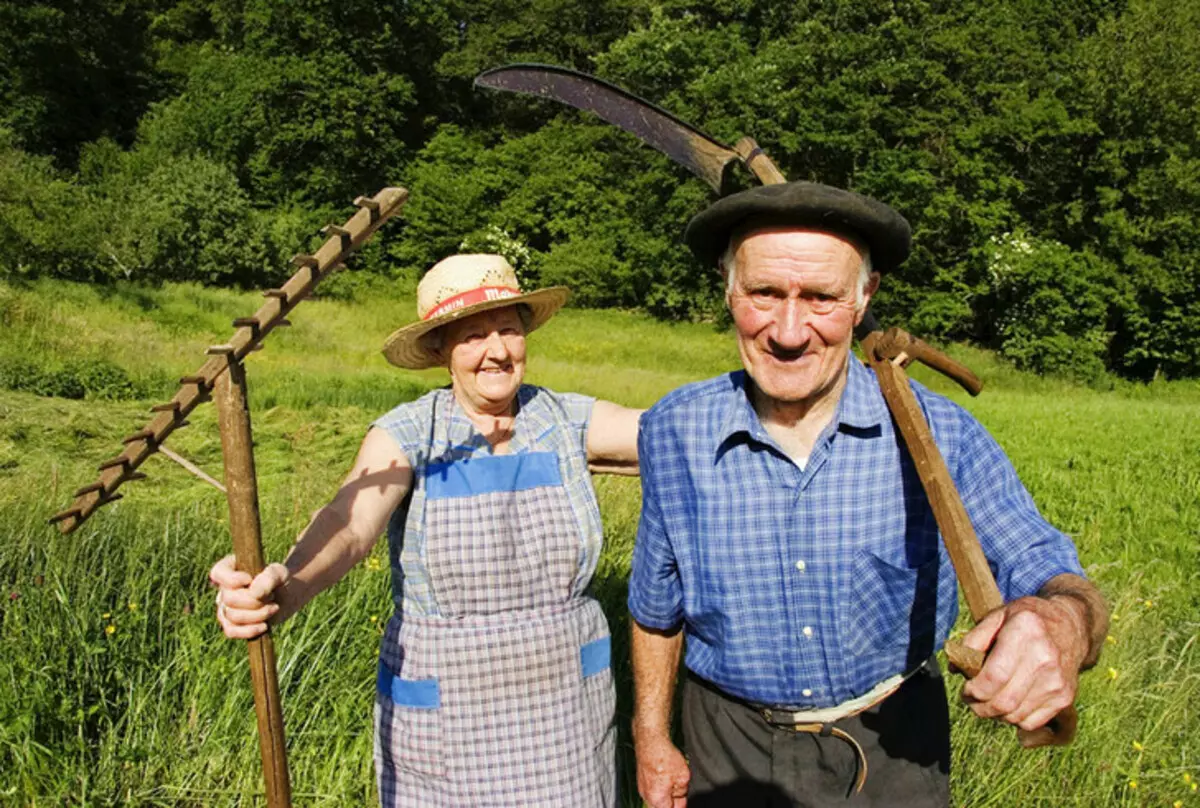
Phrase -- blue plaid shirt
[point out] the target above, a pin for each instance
(807, 587)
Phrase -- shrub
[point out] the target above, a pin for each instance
(1051, 305)
(190, 221)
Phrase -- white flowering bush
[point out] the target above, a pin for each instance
(495, 240)
(1051, 304)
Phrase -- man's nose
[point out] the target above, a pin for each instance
(791, 326)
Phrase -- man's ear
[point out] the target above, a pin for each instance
(868, 293)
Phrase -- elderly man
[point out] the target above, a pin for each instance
(785, 534)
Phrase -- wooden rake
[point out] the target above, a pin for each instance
(222, 378)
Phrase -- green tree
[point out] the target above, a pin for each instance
(74, 71)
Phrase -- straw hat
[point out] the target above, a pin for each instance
(458, 287)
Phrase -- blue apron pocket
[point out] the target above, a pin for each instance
(409, 729)
(420, 694)
(596, 656)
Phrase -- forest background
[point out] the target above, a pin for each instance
(1047, 152)
(160, 161)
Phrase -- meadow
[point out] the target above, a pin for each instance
(119, 688)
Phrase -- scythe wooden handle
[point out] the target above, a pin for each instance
(970, 565)
(233, 416)
(757, 161)
(1059, 731)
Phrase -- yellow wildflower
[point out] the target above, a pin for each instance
(105, 616)
(1193, 786)
(1110, 639)
(374, 619)
(1113, 674)
(1187, 778)
(1114, 617)
(1133, 783)
(110, 629)
(132, 606)
(374, 564)
(1177, 804)
(1137, 747)
(1149, 604)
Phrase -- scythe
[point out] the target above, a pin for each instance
(887, 352)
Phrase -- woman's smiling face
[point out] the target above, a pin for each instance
(486, 357)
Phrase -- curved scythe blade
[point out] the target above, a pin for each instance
(704, 156)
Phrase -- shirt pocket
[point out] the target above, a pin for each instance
(893, 602)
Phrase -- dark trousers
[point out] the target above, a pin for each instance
(738, 759)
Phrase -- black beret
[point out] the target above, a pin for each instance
(804, 204)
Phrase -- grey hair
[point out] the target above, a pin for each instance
(728, 264)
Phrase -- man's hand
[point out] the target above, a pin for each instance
(1037, 646)
(662, 772)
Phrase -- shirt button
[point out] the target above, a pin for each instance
(808, 632)
(800, 565)
(806, 692)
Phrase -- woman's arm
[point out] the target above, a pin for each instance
(612, 439)
(339, 536)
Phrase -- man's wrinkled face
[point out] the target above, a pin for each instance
(793, 300)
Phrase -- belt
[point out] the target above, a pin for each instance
(801, 721)
(826, 731)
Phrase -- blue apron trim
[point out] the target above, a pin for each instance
(492, 473)
(421, 694)
(596, 656)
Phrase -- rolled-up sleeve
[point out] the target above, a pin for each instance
(655, 592)
(1024, 550)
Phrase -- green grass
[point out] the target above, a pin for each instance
(160, 712)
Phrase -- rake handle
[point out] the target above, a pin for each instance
(237, 446)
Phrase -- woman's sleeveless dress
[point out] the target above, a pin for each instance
(494, 683)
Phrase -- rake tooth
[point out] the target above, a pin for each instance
(119, 460)
(283, 323)
(303, 260)
(248, 322)
(67, 514)
(110, 498)
(134, 477)
(368, 203)
(170, 406)
(199, 381)
(87, 489)
(219, 350)
(277, 293)
(142, 434)
(336, 230)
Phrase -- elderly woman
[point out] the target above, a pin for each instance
(494, 685)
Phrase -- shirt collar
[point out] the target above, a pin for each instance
(860, 407)
(862, 403)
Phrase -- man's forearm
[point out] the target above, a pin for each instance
(1085, 600)
(655, 656)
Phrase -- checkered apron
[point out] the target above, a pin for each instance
(505, 696)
